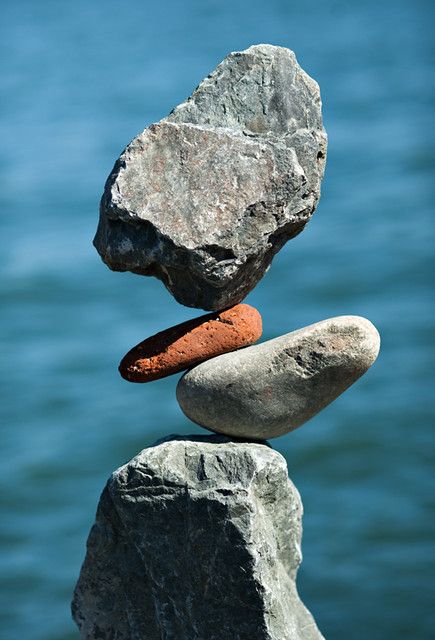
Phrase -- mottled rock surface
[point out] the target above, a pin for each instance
(195, 539)
(205, 198)
(191, 342)
(270, 389)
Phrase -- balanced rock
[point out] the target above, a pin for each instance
(195, 539)
(270, 389)
(205, 198)
(191, 342)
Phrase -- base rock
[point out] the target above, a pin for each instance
(195, 539)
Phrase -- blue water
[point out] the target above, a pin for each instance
(78, 81)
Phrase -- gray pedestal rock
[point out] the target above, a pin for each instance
(205, 198)
(269, 389)
(195, 539)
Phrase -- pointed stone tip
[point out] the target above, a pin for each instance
(266, 48)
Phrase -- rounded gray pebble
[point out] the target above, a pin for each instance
(269, 389)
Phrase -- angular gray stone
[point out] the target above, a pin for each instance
(271, 388)
(197, 538)
(205, 198)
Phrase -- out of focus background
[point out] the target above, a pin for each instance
(79, 80)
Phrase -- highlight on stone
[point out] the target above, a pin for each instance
(191, 342)
(272, 388)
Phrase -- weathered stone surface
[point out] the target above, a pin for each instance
(205, 198)
(195, 539)
(191, 342)
(270, 389)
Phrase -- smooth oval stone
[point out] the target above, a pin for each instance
(191, 342)
(267, 390)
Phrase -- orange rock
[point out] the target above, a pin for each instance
(191, 342)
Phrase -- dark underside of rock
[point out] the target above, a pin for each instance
(205, 198)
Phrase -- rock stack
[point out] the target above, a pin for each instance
(199, 538)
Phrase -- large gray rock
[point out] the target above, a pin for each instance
(205, 198)
(195, 539)
(271, 388)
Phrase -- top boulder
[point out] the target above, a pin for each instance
(205, 198)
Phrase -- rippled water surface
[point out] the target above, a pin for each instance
(79, 80)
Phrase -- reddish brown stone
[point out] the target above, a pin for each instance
(190, 343)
